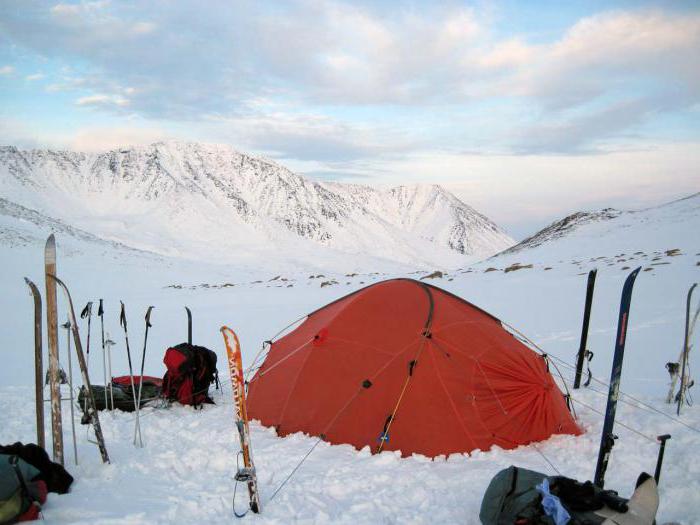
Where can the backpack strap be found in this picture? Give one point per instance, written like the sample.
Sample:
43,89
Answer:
26,493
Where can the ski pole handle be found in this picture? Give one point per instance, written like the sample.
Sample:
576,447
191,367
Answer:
122,316
100,309
662,440
148,316
87,311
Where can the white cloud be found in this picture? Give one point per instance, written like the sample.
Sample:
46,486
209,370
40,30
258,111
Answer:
7,70
536,189
35,76
97,139
100,100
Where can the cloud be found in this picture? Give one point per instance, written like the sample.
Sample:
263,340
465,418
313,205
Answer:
610,51
588,132
102,101
360,66
526,192
34,76
306,136
6,70
96,139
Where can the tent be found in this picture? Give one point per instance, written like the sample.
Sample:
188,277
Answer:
403,365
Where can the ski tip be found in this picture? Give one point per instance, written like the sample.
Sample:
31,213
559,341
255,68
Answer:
50,249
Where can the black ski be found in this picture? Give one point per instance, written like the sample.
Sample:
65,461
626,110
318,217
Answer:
91,407
38,365
686,350
189,325
582,350
607,439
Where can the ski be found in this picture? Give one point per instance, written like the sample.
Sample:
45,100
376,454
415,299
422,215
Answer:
122,322
189,325
607,439
137,428
582,350
38,365
686,350
67,326
247,473
91,407
52,328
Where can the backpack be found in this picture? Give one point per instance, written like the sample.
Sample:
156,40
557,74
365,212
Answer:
191,369
121,393
54,475
21,492
512,497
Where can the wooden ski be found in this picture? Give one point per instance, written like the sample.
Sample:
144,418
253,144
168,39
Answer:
91,407
38,365
52,330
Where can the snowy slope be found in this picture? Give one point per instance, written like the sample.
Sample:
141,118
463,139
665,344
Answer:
213,203
196,450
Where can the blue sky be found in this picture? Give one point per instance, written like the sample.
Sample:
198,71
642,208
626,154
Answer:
527,110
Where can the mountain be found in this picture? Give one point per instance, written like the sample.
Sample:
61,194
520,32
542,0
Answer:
212,202
564,227
611,235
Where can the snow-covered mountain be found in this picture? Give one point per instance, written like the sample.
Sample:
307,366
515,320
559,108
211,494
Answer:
612,232
212,202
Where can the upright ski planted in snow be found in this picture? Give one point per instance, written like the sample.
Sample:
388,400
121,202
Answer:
685,380
52,328
582,350
607,439
247,473
91,407
38,365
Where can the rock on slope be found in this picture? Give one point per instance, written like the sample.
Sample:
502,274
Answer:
188,199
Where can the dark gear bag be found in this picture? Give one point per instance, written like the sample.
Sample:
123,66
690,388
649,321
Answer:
191,369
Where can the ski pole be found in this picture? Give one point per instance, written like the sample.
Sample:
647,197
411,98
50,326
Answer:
143,361
67,326
189,325
109,343
87,312
101,315
660,459
122,321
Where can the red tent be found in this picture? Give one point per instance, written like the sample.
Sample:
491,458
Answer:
403,365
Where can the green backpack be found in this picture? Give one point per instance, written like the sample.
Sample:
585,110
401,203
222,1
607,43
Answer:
20,496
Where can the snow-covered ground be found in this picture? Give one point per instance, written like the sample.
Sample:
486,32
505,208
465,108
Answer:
185,472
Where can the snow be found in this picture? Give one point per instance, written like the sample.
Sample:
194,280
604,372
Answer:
206,202
185,472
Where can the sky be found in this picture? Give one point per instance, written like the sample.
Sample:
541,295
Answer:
527,111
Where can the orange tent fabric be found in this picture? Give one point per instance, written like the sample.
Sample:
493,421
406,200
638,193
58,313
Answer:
403,365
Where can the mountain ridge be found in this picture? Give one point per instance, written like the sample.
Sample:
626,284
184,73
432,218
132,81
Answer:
250,200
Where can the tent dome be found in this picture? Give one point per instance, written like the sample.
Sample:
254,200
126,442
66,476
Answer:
403,365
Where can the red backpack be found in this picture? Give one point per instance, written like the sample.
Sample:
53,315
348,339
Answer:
191,369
